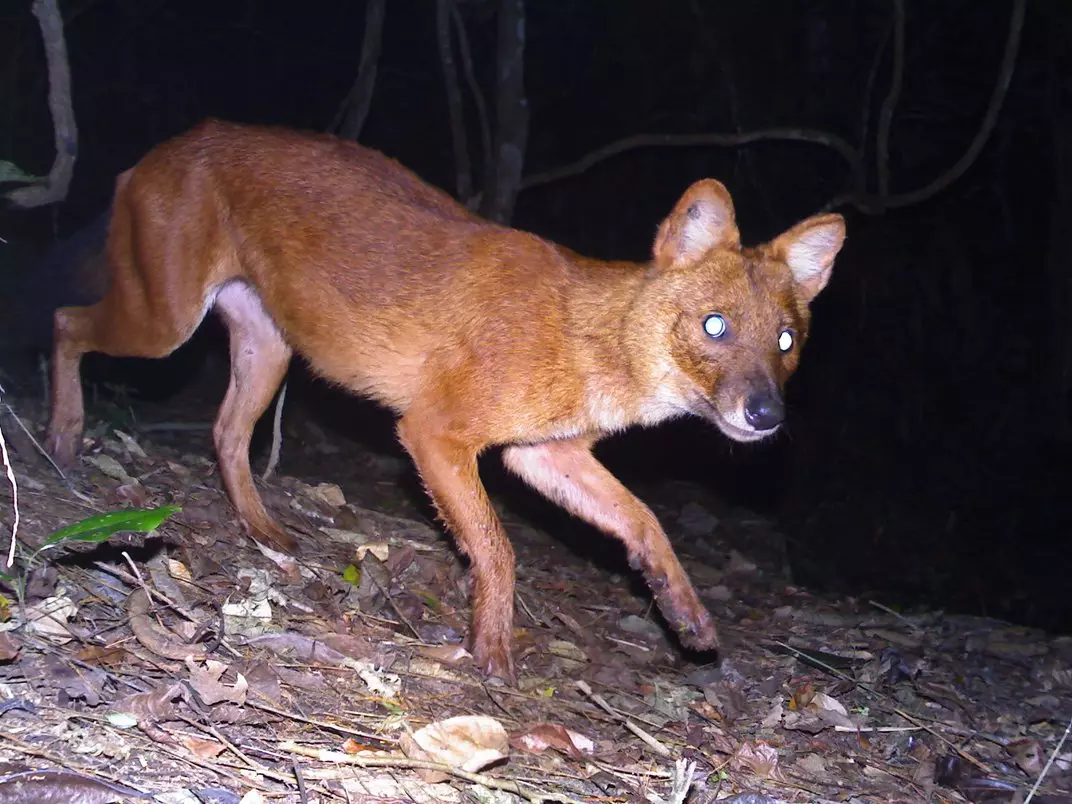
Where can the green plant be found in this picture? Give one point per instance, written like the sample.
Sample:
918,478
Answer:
94,529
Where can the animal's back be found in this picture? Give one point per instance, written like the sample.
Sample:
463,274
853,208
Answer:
366,269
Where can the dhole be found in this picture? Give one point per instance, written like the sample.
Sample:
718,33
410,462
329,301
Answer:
475,334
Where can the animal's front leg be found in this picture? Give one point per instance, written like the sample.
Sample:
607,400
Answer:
568,473
448,468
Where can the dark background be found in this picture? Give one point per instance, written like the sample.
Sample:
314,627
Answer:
927,460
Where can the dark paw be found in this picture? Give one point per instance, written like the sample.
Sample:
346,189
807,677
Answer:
273,537
698,633
62,447
496,660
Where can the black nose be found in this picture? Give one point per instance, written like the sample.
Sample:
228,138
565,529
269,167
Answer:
764,411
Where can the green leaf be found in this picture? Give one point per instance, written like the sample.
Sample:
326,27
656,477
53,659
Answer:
352,575
99,528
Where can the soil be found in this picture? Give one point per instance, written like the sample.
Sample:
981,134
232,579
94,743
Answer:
186,665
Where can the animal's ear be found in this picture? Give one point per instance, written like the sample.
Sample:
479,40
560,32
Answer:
702,219
809,249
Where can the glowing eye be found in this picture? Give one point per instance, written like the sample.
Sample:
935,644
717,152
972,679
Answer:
715,325
785,340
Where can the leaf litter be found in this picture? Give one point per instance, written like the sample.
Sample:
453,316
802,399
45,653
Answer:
200,668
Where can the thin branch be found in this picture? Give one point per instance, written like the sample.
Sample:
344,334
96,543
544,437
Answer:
358,101
54,188
463,169
474,87
986,128
847,151
869,89
889,104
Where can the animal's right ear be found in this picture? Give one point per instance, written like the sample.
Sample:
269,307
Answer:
702,220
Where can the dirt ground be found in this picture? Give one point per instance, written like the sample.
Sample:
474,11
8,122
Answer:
188,666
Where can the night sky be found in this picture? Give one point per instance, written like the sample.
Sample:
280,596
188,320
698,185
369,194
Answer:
928,457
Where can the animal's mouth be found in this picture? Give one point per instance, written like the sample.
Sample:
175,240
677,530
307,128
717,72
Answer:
702,406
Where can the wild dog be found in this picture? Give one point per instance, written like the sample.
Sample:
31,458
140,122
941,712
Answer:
476,334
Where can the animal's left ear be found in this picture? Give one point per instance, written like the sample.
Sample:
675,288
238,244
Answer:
809,249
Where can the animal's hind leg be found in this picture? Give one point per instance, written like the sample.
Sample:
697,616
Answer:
259,358
118,326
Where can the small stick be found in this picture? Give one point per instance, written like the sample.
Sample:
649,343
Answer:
646,738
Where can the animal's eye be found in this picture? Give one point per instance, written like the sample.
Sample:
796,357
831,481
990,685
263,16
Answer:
785,340
715,325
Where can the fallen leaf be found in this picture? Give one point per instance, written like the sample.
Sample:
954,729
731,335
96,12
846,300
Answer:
202,748
131,446
205,680
543,736
327,493
110,467
469,742
760,758
9,648
379,549
448,654
152,706
30,786
49,617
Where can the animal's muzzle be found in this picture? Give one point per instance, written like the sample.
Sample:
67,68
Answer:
764,410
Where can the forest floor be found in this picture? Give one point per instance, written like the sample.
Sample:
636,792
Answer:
189,666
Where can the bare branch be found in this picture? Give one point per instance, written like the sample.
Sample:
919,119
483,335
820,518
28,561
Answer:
54,188
869,87
463,170
889,105
355,108
986,128
847,151
478,97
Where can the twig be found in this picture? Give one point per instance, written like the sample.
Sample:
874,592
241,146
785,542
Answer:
1049,763
915,721
14,496
646,738
990,118
42,753
833,141
277,435
478,97
463,169
42,450
339,758
889,103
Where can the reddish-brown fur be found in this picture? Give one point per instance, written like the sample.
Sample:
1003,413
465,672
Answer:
476,334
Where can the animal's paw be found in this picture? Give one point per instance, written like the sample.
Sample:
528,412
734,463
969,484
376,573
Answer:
687,615
273,536
62,446
495,658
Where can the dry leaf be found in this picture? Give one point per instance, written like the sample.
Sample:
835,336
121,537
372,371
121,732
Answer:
110,467
542,736
448,654
9,648
760,758
469,742
49,617
206,683
327,493
202,748
149,707
379,549
131,446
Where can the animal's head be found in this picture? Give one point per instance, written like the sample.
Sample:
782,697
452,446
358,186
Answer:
718,328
